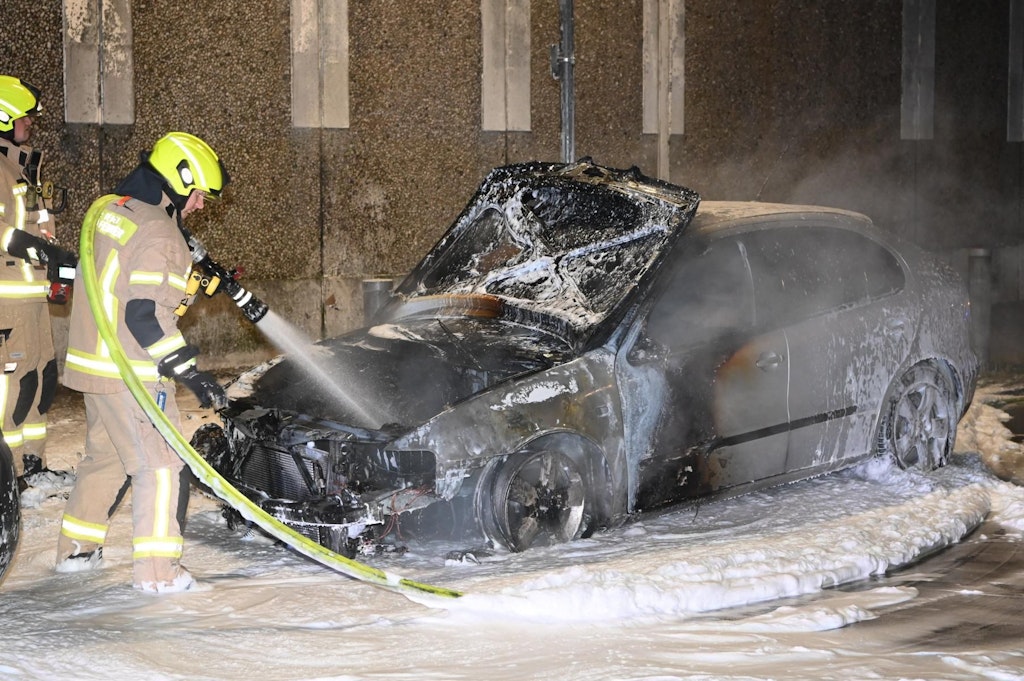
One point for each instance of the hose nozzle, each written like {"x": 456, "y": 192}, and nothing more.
{"x": 252, "y": 307}
{"x": 218, "y": 278}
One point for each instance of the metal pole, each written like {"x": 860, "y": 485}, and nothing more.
{"x": 562, "y": 61}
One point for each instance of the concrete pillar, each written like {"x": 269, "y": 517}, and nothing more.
{"x": 99, "y": 71}
{"x": 505, "y": 74}
{"x": 320, "y": 63}
{"x": 917, "y": 100}
{"x": 664, "y": 71}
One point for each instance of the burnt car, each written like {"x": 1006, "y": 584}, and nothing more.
{"x": 10, "y": 508}
{"x": 586, "y": 344}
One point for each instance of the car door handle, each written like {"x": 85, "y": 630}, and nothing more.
{"x": 768, "y": 361}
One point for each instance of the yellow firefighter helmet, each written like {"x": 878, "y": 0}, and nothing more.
{"x": 186, "y": 163}
{"x": 17, "y": 100}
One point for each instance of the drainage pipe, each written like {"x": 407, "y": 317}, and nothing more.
{"x": 376, "y": 293}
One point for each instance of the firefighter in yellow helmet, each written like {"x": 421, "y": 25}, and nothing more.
{"x": 143, "y": 263}
{"x": 29, "y": 379}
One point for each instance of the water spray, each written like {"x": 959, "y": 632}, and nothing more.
{"x": 210, "y": 277}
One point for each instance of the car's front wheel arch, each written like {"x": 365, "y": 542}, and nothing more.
{"x": 582, "y": 475}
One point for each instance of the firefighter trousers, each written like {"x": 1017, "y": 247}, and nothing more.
{"x": 123, "y": 448}
{"x": 29, "y": 380}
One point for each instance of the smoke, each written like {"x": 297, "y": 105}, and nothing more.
{"x": 925, "y": 191}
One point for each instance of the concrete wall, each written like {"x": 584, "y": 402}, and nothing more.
{"x": 783, "y": 101}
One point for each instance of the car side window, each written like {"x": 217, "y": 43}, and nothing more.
{"x": 804, "y": 271}
{"x": 707, "y": 298}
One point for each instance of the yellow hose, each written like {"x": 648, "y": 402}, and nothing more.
{"x": 202, "y": 470}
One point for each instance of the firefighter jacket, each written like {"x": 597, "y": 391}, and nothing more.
{"x": 21, "y": 282}
{"x": 140, "y": 255}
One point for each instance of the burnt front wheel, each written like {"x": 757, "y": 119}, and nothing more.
{"x": 538, "y": 498}
{"x": 918, "y": 426}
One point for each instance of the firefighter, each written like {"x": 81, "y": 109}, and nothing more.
{"x": 143, "y": 264}
{"x": 29, "y": 381}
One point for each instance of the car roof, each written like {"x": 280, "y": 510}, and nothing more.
{"x": 719, "y": 216}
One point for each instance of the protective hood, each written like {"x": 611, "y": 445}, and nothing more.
{"x": 146, "y": 185}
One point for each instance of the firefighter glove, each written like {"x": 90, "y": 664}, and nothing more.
{"x": 206, "y": 388}
{"x": 60, "y": 263}
{"x": 181, "y": 366}
{"x": 26, "y": 246}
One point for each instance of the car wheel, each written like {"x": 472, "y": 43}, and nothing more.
{"x": 10, "y": 508}
{"x": 538, "y": 498}
{"x": 918, "y": 426}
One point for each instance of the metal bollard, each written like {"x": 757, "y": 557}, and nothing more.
{"x": 376, "y": 293}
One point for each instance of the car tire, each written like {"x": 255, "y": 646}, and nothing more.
{"x": 10, "y": 508}
{"x": 538, "y": 498}
{"x": 918, "y": 424}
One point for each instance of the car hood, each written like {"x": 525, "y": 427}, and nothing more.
{"x": 397, "y": 375}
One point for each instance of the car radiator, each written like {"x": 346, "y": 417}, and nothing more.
{"x": 281, "y": 474}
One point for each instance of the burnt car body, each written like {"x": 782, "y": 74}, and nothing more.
{"x": 585, "y": 344}
{"x": 10, "y": 508}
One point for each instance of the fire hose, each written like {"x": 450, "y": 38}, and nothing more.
{"x": 202, "y": 470}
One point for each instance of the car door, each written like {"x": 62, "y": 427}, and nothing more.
{"x": 724, "y": 420}
{"x": 833, "y": 290}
